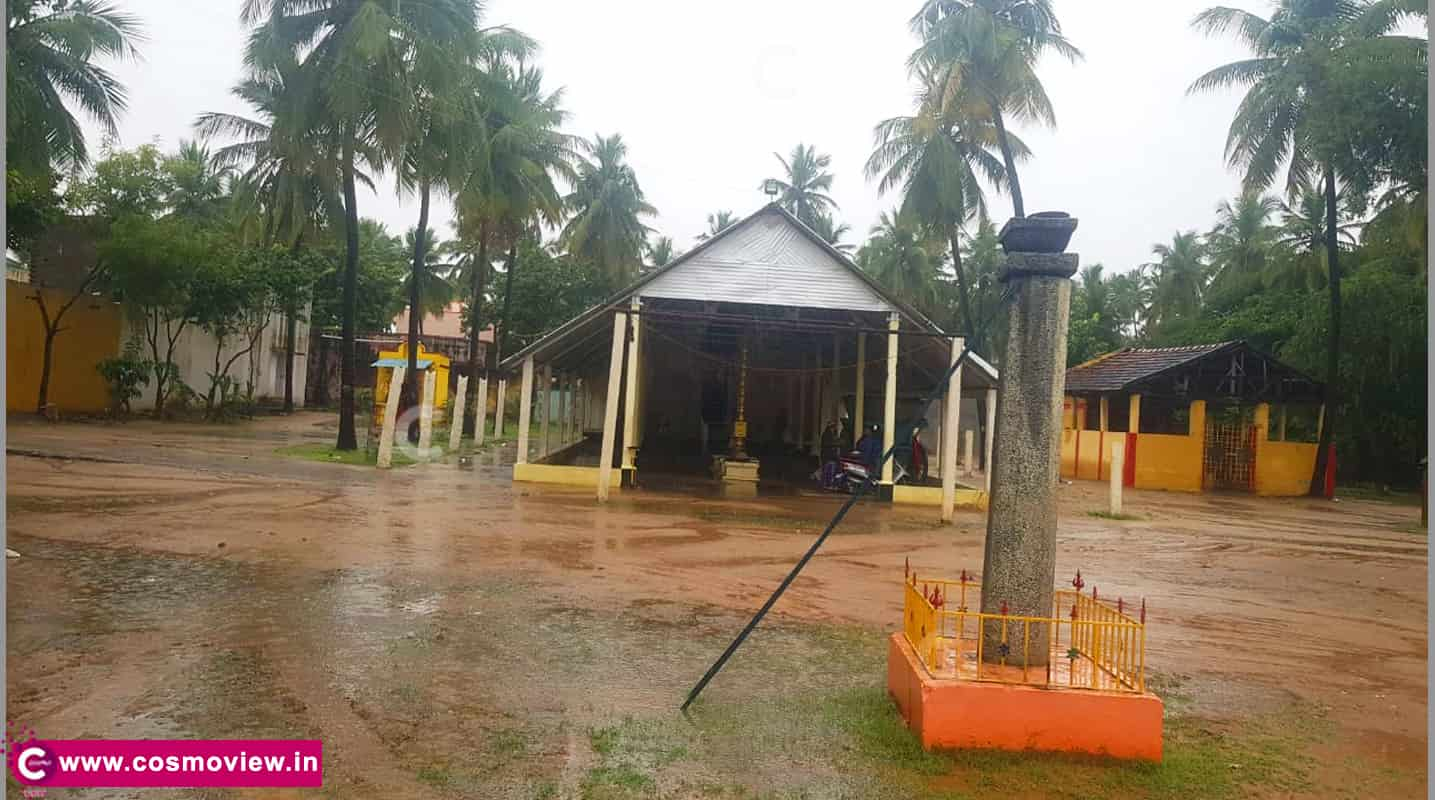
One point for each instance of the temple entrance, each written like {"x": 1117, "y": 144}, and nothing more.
{"x": 1229, "y": 455}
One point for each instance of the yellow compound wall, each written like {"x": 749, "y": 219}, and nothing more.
{"x": 91, "y": 334}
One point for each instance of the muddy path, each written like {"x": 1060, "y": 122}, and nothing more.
{"x": 185, "y": 580}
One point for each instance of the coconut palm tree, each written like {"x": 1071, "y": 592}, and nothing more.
{"x": 936, "y": 157}
{"x": 804, "y": 184}
{"x": 1240, "y": 243}
{"x": 983, "y": 55}
{"x": 1179, "y": 278}
{"x": 1302, "y": 260}
{"x": 1287, "y": 79}
{"x": 434, "y": 287}
{"x": 832, "y": 232}
{"x": 52, "y": 50}
{"x": 718, "y": 221}
{"x": 354, "y": 57}
{"x": 900, "y": 257}
{"x": 447, "y": 118}
{"x": 199, "y": 180}
{"x": 511, "y": 178}
{"x": 289, "y": 192}
{"x": 608, "y": 209}
{"x": 660, "y": 251}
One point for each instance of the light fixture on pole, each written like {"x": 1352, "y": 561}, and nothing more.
{"x": 772, "y": 187}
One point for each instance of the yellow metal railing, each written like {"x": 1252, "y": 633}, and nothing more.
{"x": 1088, "y": 643}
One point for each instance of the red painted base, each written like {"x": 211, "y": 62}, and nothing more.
{"x": 957, "y": 714}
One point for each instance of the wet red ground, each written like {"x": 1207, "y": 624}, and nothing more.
{"x": 161, "y": 558}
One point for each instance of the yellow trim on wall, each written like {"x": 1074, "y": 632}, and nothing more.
{"x": 932, "y": 496}
{"x": 586, "y": 477}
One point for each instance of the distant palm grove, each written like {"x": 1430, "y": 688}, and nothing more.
{"x": 1321, "y": 260}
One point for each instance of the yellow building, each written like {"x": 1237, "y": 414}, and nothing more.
{"x": 384, "y": 369}
{"x": 1206, "y": 417}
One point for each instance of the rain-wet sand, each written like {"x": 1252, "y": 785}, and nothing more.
{"x": 183, "y": 580}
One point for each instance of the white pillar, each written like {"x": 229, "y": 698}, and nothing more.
{"x": 480, "y": 413}
{"x": 455, "y": 419}
{"x": 630, "y": 403}
{"x": 951, "y": 419}
{"x": 861, "y": 399}
{"x": 889, "y": 408}
{"x": 968, "y": 451}
{"x": 610, "y": 406}
{"x": 525, "y": 409}
{"x": 991, "y": 435}
{"x": 426, "y": 414}
{"x": 564, "y": 410}
{"x": 498, "y": 408}
{"x": 391, "y": 410}
{"x": 836, "y": 399}
{"x": 1118, "y": 457}
{"x": 545, "y": 408}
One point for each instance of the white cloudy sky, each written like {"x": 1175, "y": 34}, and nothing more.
{"x": 705, "y": 93}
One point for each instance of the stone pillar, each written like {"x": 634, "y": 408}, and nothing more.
{"x": 1020, "y": 563}
{"x": 498, "y": 408}
{"x": 480, "y": 412}
{"x": 951, "y": 416}
{"x": 455, "y": 419}
{"x": 969, "y": 451}
{"x": 610, "y": 405}
{"x": 391, "y": 411}
{"x": 990, "y": 437}
{"x": 889, "y": 407}
{"x": 426, "y": 414}
{"x": 860, "y": 401}
{"x": 525, "y": 410}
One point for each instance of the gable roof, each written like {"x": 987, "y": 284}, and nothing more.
{"x": 769, "y": 237}
{"x": 1132, "y": 368}
{"x": 1117, "y": 370}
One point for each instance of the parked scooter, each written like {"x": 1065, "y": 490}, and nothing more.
{"x": 849, "y": 472}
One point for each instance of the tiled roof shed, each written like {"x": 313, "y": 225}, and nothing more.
{"x": 1224, "y": 370}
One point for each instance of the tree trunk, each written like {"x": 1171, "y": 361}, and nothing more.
{"x": 348, "y": 435}
{"x": 969, "y": 326}
{"x": 410, "y": 391}
{"x": 1332, "y": 341}
{"x": 47, "y": 358}
{"x": 507, "y": 299}
{"x": 475, "y": 326}
{"x": 1018, "y": 205}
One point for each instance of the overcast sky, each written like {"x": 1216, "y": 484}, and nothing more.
{"x": 704, "y": 94}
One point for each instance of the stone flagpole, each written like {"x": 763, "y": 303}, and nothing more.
{"x": 1019, "y": 572}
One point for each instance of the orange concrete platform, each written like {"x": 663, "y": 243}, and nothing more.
{"x": 954, "y": 714}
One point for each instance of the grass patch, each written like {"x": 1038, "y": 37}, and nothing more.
{"x": 1111, "y": 516}
{"x": 1378, "y": 494}
{"x": 327, "y": 454}
{"x": 1201, "y": 759}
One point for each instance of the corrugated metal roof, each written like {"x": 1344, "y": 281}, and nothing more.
{"x": 590, "y": 322}
{"x": 768, "y": 262}
{"x": 1116, "y": 371}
